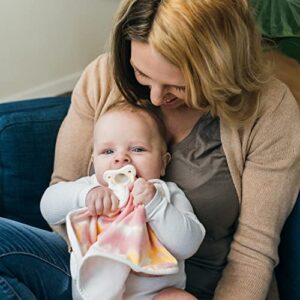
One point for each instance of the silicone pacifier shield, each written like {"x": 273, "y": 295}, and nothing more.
{"x": 118, "y": 181}
{"x": 122, "y": 176}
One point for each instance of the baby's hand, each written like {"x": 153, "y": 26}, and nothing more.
{"x": 143, "y": 191}
{"x": 101, "y": 201}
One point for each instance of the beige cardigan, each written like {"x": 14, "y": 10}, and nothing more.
{"x": 263, "y": 158}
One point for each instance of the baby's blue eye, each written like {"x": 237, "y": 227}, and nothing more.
{"x": 138, "y": 149}
{"x": 108, "y": 151}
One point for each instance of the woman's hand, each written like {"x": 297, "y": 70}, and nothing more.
{"x": 143, "y": 191}
{"x": 101, "y": 200}
{"x": 174, "y": 294}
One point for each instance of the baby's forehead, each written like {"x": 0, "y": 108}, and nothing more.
{"x": 135, "y": 115}
{"x": 145, "y": 120}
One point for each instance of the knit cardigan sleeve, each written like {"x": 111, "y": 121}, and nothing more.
{"x": 265, "y": 163}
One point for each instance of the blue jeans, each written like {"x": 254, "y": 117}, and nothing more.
{"x": 34, "y": 263}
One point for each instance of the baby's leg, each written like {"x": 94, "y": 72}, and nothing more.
{"x": 34, "y": 263}
{"x": 102, "y": 278}
{"x": 143, "y": 287}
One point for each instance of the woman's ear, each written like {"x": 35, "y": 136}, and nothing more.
{"x": 165, "y": 159}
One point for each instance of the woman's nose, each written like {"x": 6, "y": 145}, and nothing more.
{"x": 156, "y": 94}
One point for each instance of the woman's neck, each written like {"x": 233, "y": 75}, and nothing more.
{"x": 180, "y": 122}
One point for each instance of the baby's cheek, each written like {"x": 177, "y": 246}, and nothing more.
{"x": 100, "y": 179}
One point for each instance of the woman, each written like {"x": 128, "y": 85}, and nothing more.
{"x": 232, "y": 133}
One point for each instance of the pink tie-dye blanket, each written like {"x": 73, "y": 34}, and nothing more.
{"x": 125, "y": 237}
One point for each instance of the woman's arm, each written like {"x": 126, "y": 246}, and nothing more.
{"x": 270, "y": 184}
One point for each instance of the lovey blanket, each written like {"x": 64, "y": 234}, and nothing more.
{"x": 125, "y": 237}
{"x": 119, "y": 244}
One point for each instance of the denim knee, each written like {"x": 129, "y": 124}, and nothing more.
{"x": 34, "y": 263}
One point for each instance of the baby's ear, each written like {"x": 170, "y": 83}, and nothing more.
{"x": 166, "y": 158}
{"x": 91, "y": 169}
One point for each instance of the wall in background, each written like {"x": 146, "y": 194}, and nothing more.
{"x": 45, "y": 45}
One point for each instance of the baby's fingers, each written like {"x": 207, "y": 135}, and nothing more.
{"x": 137, "y": 200}
{"x": 98, "y": 206}
{"x": 107, "y": 204}
{"x": 139, "y": 186}
{"x": 92, "y": 207}
{"x": 114, "y": 202}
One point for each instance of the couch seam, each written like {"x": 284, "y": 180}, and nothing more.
{"x": 10, "y": 287}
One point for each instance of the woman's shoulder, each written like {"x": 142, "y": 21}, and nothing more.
{"x": 278, "y": 108}
{"x": 275, "y": 93}
{"x": 278, "y": 115}
{"x": 95, "y": 86}
{"x": 100, "y": 62}
{"x": 98, "y": 68}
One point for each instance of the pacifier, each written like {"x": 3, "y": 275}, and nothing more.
{"x": 118, "y": 181}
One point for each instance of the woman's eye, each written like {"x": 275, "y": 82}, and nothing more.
{"x": 180, "y": 88}
{"x": 138, "y": 73}
{"x": 107, "y": 151}
{"x": 138, "y": 149}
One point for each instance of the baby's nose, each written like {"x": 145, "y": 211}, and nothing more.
{"x": 122, "y": 159}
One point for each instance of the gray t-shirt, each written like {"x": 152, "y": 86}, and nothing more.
{"x": 199, "y": 167}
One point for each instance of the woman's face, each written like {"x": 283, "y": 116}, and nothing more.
{"x": 166, "y": 82}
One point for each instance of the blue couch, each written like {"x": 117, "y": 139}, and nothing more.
{"x": 28, "y": 131}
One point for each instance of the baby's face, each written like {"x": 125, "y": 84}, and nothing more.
{"x": 124, "y": 137}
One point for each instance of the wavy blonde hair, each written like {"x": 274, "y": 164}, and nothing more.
{"x": 215, "y": 43}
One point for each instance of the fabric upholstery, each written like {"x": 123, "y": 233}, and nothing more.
{"x": 288, "y": 270}
{"x": 28, "y": 131}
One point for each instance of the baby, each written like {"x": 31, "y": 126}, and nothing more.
{"x": 126, "y": 135}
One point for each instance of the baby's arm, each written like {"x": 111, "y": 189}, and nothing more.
{"x": 174, "y": 222}
{"x": 61, "y": 198}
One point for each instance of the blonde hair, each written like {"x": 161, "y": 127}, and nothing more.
{"x": 215, "y": 43}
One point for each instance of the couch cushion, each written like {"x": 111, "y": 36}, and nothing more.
{"x": 28, "y": 131}
{"x": 288, "y": 270}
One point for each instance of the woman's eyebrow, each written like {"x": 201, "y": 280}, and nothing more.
{"x": 173, "y": 85}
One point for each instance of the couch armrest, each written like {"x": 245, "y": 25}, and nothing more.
{"x": 28, "y": 131}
